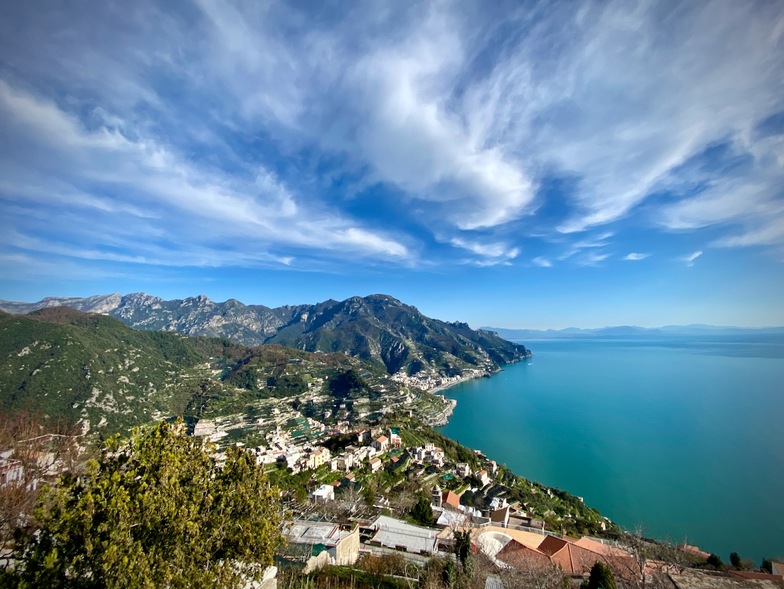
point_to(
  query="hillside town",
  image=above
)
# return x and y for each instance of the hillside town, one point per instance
(338, 522)
(353, 495)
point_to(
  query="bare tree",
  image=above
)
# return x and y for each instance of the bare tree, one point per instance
(520, 572)
(30, 454)
(402, 500)
(648, 564)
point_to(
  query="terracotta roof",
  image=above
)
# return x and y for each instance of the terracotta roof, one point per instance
(519, 555)
(694, 550)
(382, 439)
(451, 498)
(550, 545)
(573, 559)
(530, 539)
(600, 547)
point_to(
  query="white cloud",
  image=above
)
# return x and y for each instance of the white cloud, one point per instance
(542, 262)
(635, 257)
(592, 242)
(416, 141)
(245, 137)
(750, 208)
(62, 165)
(691, 258)
(769, 233)
(624, 95)
(486, 250)
(592, 259)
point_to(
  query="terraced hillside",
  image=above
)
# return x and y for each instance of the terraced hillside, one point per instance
(95, 371)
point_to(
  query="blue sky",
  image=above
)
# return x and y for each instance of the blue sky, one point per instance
(525, 164)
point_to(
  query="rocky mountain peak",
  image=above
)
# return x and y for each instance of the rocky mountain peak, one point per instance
(378, 327)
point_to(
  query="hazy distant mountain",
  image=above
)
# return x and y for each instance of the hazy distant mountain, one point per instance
(377, 328)
(627, 331)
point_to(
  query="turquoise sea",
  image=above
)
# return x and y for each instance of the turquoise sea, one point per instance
(684, 437)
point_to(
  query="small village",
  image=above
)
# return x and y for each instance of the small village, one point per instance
(364, 476)
(351, 496)
(358, 505)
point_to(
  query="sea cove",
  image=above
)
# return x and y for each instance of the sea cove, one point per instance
(683, 437)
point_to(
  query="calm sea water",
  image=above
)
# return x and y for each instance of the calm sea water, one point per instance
(685, 438)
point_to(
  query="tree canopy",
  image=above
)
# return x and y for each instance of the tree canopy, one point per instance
(422, 513)
(154, 511)
(601, 577)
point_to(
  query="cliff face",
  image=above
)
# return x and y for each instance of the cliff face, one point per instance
(378, 328)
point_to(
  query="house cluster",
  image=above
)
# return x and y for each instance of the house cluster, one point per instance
(316, 544)
(370, 445)
(428, 381)
(298, 456)
(428, 454)
(300, 453)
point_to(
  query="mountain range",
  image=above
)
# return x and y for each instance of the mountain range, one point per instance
(94, 371)
(377, 328)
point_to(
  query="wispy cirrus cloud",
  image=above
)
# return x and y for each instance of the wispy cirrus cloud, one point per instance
(635, 257)
(593, 242)
(691, 258)
(210, 206)
(202, 131)
(592, 258)
(489, 253)
(542, 262)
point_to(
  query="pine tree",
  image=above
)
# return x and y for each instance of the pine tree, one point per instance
(155, 511)
(422, 513)
(601, 577)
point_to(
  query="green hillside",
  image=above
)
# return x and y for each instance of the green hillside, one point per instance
(70, 366)
(95, 371)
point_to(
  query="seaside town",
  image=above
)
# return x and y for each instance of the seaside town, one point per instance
(338, 524)
(359, 485)
(357, 498)
(365, 481)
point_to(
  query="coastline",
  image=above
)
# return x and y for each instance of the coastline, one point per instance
(485, 374)
(443, 418)
(442, 387)
(594, 377)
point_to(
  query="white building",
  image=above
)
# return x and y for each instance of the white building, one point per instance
(323, 494)
(375, 464)
(399, 535)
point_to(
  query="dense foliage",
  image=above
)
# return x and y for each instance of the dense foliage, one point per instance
(95, 371)
(68, 366)
(421, 513)
(601, 577)
(154, 511)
